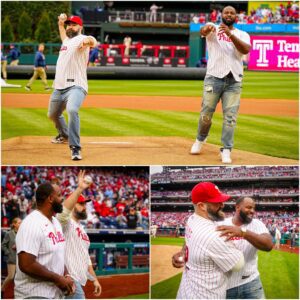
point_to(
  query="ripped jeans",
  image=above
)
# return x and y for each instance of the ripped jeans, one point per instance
(228, 91)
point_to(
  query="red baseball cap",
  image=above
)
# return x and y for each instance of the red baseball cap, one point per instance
(74, 19)
(81, 199)
(207, 192)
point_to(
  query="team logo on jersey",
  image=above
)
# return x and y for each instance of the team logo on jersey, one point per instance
(58, 238)
(223, 37)
(82, 235)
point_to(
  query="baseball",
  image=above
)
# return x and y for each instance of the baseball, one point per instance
(63, 16)
(180, 258)
(88, 179)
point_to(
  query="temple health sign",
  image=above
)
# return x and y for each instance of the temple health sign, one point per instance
(274, 53)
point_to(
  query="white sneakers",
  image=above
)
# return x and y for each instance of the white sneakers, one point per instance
(225, 154)
(196, 148)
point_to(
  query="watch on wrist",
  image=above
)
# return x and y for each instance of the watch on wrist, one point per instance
(243, 230)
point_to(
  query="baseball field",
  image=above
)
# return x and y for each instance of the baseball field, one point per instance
(279, 271)
(148, 122)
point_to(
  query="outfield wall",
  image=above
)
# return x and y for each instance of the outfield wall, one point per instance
(25, 71)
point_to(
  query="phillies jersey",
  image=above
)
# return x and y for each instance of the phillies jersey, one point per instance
(250, 270)
(208, 260)
(72, 64)
(77, 259)
(223, 57)
(44, 239)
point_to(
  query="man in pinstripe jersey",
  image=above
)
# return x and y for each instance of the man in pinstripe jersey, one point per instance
(249, 235)
(208, 258)
(77, 257)
(226, 47)
(40, 244)
(70, 82)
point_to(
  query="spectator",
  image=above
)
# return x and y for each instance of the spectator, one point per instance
(277, 238)
(13, 208)
(14, 55)
(3, 63)
(132, 218)
(39, 69)
(9, 249)
(94, 56)
(127, 42)
(293, 239)
(153, 12)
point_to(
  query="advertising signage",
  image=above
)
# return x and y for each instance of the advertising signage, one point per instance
(274, 53)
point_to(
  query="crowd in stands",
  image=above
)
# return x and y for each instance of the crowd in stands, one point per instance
(217, 173)
(282, 13)
(286, 221)
(116, 194)
(231, 192)
(261, 15)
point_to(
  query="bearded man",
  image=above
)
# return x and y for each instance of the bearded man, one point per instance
(40, 244)
(77, 257)
(70, 83)
(249, 235)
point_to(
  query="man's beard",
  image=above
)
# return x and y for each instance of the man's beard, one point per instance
(228, 23)
(57, 207)
(71, 33)
(244, 217)
(80, 215)
(215, 215)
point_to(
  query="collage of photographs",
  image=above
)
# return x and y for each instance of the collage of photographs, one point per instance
(149, 149)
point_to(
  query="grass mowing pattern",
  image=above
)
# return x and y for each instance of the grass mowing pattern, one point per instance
(279, 273)
(260, 85)
(273, 136)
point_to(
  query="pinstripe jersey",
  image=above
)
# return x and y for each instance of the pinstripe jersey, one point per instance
(250, 269)
(72, 64)
(223, 55)
(43, 239)
(208, 260)
(77, 259)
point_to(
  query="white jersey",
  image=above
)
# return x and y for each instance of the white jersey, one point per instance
(77, 259)
(208, 261)
(45, 240)
(223, 57)
(250, 271)
(72, 64)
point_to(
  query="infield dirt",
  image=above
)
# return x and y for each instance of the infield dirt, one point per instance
(161, 262)
(109, 151)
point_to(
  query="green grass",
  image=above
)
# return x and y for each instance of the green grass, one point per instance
(261, 85)
(275, 136)
(279, 273)
(167, 241)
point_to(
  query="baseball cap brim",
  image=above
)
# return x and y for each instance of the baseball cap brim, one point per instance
(220, 198)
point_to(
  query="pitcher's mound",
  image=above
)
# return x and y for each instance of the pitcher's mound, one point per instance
(107, 151)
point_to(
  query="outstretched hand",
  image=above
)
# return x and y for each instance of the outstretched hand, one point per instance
(82, 184)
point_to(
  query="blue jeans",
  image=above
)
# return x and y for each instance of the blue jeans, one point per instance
(250, 290)
(70, 99)
(229, 91)
(79, 293)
